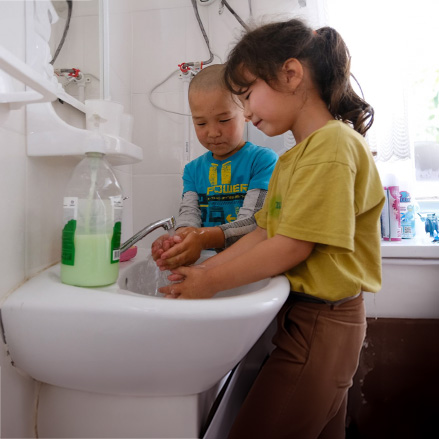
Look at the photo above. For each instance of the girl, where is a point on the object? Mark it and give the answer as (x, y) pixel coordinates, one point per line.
(319, 226)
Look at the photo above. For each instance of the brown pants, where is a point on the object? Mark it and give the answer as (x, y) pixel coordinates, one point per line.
(301, 392)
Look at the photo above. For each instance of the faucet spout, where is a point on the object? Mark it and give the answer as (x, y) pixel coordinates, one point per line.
(167, 224)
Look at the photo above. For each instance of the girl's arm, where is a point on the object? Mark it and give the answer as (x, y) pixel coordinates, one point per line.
(246, 243)
(267, 258)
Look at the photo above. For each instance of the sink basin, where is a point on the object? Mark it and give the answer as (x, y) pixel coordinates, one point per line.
(125, 339)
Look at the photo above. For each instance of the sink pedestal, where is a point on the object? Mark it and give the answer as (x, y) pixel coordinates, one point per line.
(66, 413)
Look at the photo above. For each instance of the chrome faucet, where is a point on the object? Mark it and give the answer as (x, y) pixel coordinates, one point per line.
(167, 224)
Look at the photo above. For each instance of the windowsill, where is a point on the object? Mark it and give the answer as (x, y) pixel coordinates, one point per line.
(431, 205)
(410, 248)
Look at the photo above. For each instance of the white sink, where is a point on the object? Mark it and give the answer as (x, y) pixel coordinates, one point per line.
(115, 341)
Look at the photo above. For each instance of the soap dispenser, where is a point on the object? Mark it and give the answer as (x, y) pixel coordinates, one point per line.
(92, 222)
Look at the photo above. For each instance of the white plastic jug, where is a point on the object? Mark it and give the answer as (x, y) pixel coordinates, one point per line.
(92, 224)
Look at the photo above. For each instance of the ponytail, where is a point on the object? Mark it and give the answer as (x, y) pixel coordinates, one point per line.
(330, 63)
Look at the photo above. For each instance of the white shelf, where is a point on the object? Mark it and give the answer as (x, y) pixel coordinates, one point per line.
(42, 89)
(65, 97)
(49, 135)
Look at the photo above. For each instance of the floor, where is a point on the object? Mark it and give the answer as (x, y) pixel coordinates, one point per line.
(396, 389)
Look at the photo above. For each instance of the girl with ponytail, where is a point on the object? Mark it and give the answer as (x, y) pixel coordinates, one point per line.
(319, 227)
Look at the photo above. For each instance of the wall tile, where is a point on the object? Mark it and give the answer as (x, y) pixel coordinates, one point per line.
(155, 197)
(160, 134)
(158, 47)
(71, 54)
(12, 23)
(279, 9)
(196, 47)
(120, 6)
(145, 5)
(19, 391)
(124, 177)
(12, 219)
(120, 47)
(91, 45)
(47, 181)
(13, 120)
(85, 8)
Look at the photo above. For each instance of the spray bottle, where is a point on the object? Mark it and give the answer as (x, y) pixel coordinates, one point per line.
(408, 215)
(391, 214)
(92, 222)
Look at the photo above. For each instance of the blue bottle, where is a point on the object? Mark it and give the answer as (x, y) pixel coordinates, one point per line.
(408, 215)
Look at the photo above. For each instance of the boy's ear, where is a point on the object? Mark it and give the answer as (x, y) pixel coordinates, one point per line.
(292, 70)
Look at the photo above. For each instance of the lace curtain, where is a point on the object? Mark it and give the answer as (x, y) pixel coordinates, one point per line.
(386, 40)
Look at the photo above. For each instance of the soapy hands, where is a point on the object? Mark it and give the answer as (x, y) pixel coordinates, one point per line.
(184, 248)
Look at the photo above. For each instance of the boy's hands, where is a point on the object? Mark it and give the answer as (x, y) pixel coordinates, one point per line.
(184, 248)
(160, 245)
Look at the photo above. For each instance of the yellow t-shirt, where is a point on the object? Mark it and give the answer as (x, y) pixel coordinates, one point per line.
(327, 190)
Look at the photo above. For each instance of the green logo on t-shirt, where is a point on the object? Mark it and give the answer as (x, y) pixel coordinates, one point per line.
(274, 207)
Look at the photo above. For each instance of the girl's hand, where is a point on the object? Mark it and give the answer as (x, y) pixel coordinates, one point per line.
(195, 284)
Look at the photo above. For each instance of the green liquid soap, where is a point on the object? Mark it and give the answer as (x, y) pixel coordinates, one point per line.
(92, 265)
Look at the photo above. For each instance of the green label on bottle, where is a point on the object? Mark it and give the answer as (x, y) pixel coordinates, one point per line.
(68, 243)
(115, 242)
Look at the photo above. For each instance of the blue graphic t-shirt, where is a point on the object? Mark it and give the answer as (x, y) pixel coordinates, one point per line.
(221, 185)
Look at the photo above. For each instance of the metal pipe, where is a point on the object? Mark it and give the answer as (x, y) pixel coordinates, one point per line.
(167, 224)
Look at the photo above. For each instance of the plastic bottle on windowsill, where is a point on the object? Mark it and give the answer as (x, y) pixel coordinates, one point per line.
(408, 215)
(391, 215)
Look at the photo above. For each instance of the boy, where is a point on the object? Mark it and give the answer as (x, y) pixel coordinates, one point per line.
(225, 187)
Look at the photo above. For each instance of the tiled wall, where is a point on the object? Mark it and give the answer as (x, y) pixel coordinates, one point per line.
(30, 221)
(16, 408)
(81, 46)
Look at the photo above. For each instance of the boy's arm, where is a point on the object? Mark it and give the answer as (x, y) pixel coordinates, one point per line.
(190, 241)
(245, 223)
(189, 214)
(226, 234)
(261, 169)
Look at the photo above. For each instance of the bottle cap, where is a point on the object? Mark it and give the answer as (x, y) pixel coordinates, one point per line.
(95, 143)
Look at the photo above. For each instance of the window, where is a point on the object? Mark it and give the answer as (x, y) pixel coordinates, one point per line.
(393, 44)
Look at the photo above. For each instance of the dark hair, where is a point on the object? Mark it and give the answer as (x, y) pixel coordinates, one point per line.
(263, 51)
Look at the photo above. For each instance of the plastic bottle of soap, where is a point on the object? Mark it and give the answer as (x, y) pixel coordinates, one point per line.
(92, 224)
(408, 215)
(390, 216)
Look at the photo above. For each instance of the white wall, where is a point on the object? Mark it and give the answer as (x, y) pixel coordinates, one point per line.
(30, 223)
(81, 46)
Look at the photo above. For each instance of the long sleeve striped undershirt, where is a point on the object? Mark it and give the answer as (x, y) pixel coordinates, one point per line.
(190, 215)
